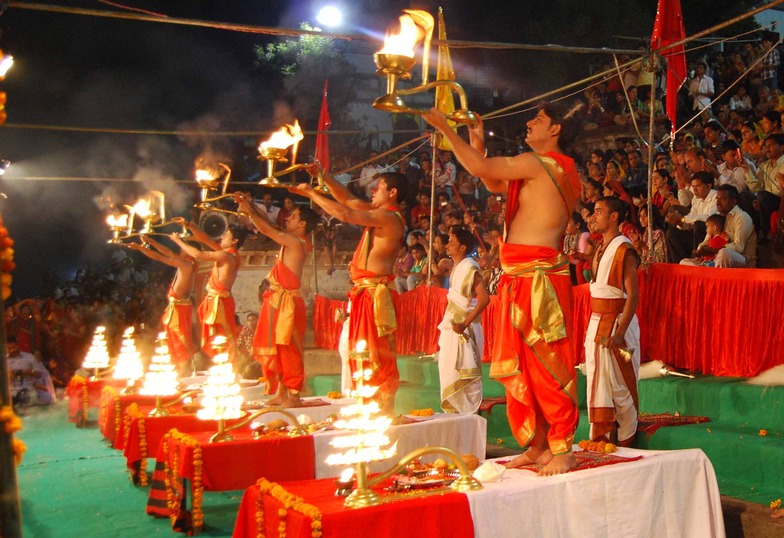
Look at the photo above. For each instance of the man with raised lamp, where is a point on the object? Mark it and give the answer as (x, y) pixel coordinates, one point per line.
(177, 318)
(532, 355)
(461, 341)
(372, 298)
(278, 343)
(216, 311)
(612, 341)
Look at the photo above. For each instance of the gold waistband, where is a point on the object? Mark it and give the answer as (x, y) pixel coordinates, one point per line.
(217, 293)
(607, 306)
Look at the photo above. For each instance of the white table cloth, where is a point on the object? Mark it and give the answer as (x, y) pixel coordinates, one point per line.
(461, 433)
(665, 494)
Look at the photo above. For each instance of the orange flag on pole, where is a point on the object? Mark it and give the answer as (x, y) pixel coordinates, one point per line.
(322, 138)
(445, 101)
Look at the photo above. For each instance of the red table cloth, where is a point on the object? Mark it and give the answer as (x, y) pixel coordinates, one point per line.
(143, 434)
(221, 466)
(111, 413)
(446, 514)
(84, 394)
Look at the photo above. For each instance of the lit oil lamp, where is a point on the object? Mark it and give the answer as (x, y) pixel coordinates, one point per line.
(397, 58)
(274, 151)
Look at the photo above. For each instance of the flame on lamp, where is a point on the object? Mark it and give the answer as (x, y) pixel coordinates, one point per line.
(287, 136)
(129, 364)
(404, 41)
(118, 220)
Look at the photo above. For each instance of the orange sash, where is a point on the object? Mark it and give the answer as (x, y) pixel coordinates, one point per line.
(176, 321)
(373, 320)
(216, 313)
(532, 356)
(278, 343)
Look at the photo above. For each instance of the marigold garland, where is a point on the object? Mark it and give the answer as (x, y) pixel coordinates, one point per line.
(108, 394)
(174, 486)
(598, 446)
(775, 504)
(289, 502)
(134, 413)
(12, 425)
(6, 261)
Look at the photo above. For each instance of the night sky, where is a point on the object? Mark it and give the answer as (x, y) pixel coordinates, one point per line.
(74, 70)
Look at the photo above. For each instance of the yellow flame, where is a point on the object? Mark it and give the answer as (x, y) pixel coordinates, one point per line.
(142, 208)
(204, 175)
(287, 136)
(117, 221)
(402, 43)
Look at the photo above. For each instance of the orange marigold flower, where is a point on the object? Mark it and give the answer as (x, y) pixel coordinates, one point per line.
(763, 433)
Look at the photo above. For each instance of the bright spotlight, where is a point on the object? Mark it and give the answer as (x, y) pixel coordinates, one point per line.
(330, 16)
(4, 164)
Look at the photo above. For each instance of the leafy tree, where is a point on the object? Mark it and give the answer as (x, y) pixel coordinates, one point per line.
(299, 67)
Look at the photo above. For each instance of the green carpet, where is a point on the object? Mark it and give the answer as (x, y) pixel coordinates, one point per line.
(73, 484)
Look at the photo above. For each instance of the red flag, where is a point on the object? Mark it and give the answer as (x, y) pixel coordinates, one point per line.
(668, 29)
(322, 138)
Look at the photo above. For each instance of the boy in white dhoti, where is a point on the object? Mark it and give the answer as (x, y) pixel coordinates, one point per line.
(612, 342)
(461, 341)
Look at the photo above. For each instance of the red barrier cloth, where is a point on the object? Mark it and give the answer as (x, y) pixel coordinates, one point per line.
(723, 322)
(436, 515)
(419, 313)
(326, 330)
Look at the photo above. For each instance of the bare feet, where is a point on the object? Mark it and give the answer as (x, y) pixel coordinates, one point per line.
(778, 513)
(277, 400)
(560, 464)
(330, 270)
(292, 401)
(529, 457)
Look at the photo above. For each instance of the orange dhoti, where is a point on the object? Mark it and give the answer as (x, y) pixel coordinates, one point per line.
(532, 356)
(216, 313)
(278, 343)
(373, 320)
(176, 322)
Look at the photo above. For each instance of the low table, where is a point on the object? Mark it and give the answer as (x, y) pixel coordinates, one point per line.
(665, 493)
(275, 460)
(142, 434)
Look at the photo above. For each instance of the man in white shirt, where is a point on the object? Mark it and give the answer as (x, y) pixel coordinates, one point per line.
(731, 172)
(687, 231)
(764, 184)
(267, 209)
(741, 251)
(369, 176)
(24, 372)
(701, 88)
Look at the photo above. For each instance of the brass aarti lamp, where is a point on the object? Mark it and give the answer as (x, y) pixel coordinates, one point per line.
(365, 445)
(396, 60)
(274, 151)
(118, 223)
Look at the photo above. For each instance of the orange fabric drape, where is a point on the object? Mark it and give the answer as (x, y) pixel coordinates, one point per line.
(724, 322)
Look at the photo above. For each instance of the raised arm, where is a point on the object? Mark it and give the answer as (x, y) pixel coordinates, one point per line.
(363, 217)
(341, 193)
(198, 235)
(263, 225)
(163, 249)
(494, 172)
